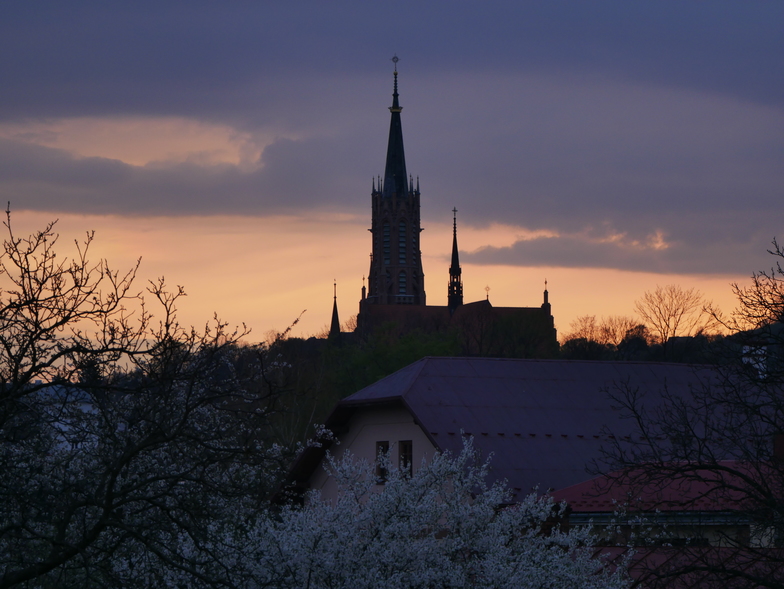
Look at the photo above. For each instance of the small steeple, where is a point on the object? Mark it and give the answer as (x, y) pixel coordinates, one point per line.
(455, 292)
(546, 303)
(334, 328)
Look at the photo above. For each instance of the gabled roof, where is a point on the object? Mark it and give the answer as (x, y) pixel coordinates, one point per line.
(544, 421)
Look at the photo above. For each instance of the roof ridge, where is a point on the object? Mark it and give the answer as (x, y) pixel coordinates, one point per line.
(562, 360)
(408, 376)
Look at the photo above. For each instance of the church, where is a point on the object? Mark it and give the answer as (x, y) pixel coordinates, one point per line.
(395, 294)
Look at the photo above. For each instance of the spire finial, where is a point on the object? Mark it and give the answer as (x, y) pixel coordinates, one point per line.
(334, 288)
(454, 220)
(395, 103)
(487, 290)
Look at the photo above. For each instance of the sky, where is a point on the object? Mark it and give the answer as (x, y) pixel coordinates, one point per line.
(605, 146)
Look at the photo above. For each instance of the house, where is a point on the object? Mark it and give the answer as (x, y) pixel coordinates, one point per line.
(543, 421)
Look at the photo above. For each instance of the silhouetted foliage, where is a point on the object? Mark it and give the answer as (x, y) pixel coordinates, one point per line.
(622, 338)
(128, 443)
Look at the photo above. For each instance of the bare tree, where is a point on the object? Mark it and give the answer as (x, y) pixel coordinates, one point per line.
(606, 339)
(131, 448)
(671, 311)
(615, 329)
(725, 443)
(761, 304)
(584, 327)
(611, 330)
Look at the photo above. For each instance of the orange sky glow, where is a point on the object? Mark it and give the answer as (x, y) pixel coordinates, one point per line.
(265, 271)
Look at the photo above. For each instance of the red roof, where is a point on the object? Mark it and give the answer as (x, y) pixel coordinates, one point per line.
(699, 491)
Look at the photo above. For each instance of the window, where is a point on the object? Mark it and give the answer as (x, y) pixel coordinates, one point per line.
(401, 283)
(406, 456)
(401, 242)
(382, 449)
(386, 243)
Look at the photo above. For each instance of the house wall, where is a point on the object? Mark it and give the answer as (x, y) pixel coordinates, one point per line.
(365, 428)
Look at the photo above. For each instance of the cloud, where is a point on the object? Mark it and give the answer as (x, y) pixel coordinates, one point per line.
(156, 59)
(142, 140)
(618, 251)
(561, 154)
(581, 120)
(290, 176)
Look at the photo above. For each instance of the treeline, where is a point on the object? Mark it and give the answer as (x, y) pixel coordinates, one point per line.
(673, 324)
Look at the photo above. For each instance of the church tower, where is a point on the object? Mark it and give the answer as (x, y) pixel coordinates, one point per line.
(396, 276)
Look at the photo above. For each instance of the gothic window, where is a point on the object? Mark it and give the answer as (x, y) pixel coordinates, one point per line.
(401, 283)
(386, 244)
(401, 243)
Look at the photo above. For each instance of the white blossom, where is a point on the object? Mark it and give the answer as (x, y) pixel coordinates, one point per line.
(442, 527)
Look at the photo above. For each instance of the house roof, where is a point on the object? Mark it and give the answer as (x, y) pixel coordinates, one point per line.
(702, 490)
(544, 421)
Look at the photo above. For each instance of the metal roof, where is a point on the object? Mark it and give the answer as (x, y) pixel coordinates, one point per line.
(544, 421)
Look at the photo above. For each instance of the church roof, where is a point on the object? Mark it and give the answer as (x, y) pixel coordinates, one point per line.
(544, 421)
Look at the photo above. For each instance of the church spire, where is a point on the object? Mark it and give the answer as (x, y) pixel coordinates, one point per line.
(395, 176)
(455, 292)
(334, 328)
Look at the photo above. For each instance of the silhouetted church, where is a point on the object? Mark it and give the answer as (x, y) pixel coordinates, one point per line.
(395, 294)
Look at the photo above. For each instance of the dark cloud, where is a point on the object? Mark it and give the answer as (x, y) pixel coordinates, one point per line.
(720, 255)
(203, 57)
(592, 120)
